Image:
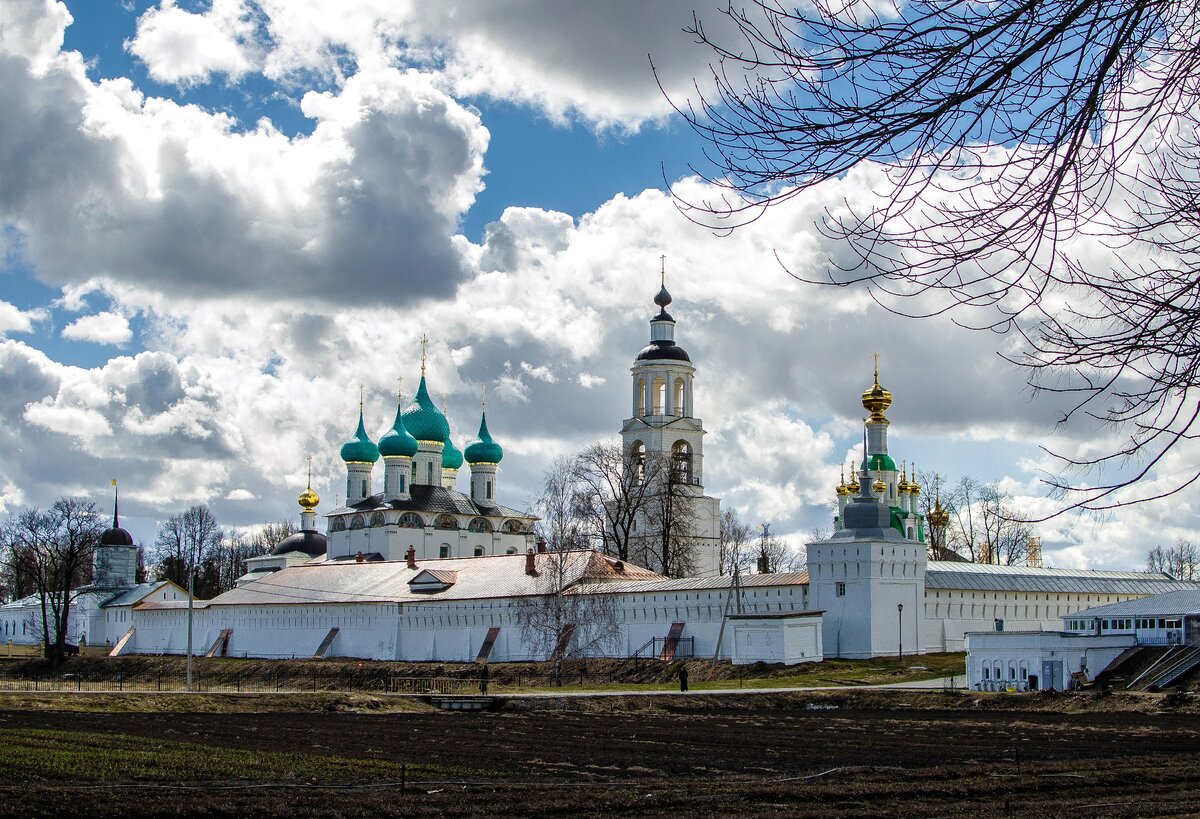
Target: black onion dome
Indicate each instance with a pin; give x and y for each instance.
(313, 544)
(663, 349)
(663, 298)
(116, 536)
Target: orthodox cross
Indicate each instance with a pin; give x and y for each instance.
(662, 271)
(361, 391)
(483, 400)
(310, 471)
(424, 351)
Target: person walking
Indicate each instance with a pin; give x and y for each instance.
(483, 679)
(683, 677)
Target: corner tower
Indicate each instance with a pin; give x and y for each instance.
(664, 430)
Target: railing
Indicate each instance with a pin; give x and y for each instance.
(653, 647)
(1183, 664)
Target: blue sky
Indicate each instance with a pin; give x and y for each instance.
(188, 303)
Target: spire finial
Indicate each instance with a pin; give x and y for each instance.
(399, 391)
(483, 399)
(116, 515)
(310, 471)
(361, 392)
(876, 357)
(424, 351)
(662, 270)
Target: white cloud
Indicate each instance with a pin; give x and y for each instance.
(101, 328)
(15, 320)
(179, 46)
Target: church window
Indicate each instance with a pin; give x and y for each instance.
(679, 408)
(429, 472)
(512, 550)
(364, 487)
(401, 489)
(659, 389)
(478, 551)
(444, 550)
(637, 459)
(641, 396)
(840, 589)
(489, 490)
(414, 472)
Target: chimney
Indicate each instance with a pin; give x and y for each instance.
(619, 566)
(530, 564)
(541, 545)
(411, 557)
(358, 558)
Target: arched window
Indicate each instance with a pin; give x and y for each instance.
(411, 520)
(659, 389)
(641, 396)
(637, 459)
(681, 462)
(358, 522)
(679, 408)
(414, 472)
(446, 522)
(377, 519)
(512, 550)
(513, 527)
(480, 525)
(337, 525)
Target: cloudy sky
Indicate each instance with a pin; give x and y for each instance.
(218, 218)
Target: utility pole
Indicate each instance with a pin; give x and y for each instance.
(191, 600)
(900, 629)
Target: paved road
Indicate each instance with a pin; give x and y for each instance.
(913, 685)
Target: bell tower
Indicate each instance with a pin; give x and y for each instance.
(663, 430)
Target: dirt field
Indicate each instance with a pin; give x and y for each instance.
(883, 754)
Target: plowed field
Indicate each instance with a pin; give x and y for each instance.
(783, 757)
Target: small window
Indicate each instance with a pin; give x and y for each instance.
(489, 490)
(840, 589)
(364, 487)
(444, 550)
(478, 551)
(401, 490)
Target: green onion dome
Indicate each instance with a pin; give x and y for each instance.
(451, 457)
(880, 460)
(360, 448)
(423, 420)
(398, 440)
(483, 450)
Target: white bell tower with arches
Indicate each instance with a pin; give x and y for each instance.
(664, 426)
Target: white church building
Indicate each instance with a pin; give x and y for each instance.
(421, 571)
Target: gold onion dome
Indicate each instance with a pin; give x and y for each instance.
(309, 499)
(879, 486)
(937, 515)
(905, 487)
(876, 399)
(853, 485)
(842, 489)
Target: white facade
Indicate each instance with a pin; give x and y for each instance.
(1038, 661)
(789, 638)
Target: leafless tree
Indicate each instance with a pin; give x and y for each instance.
(193, 536)
(564, 618)
(563, 508)
(1005, 130)
(985, 526)
(53, 549)
(1181, 561)
(669, 542)
(611, 493)
(734, 543)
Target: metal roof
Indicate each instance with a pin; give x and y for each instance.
(434, 500)
(684, 584)
(989, 577)
(475, 578)
(1170, 604)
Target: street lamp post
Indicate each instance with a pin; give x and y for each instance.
(900, 629)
